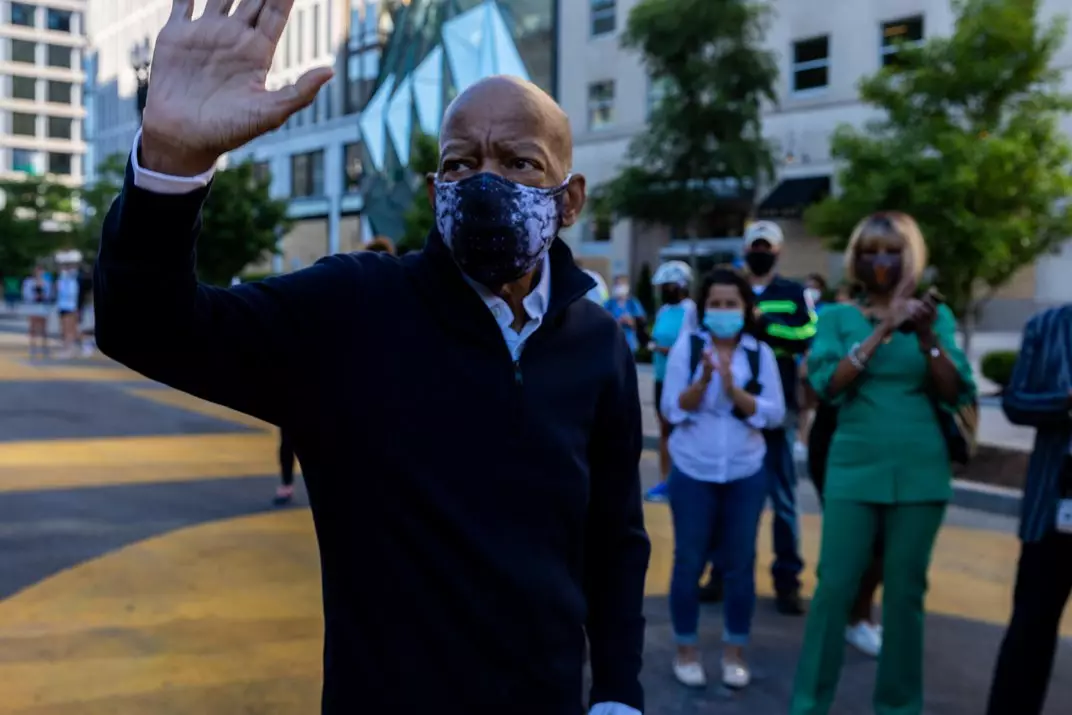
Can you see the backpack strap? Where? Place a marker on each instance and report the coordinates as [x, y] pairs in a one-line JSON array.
[[696, 347], [753, 386]]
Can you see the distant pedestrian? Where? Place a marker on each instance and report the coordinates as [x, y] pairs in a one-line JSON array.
[[891, 365], [815, 288], [284, 494], [676, 315], [1040, 396], [627, 310], [37, 305], [67, 292]]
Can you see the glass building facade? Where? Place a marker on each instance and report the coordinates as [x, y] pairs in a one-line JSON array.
[[436, 49]]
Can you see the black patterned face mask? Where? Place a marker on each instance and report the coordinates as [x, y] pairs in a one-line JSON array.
[[497, 230]]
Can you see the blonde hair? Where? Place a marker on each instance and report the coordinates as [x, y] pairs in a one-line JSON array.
[[884, 224]]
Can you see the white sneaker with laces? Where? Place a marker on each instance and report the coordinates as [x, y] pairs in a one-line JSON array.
[[865, 637], [690, 674], [735, 675]]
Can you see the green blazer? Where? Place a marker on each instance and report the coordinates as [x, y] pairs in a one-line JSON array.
[[888, 447]]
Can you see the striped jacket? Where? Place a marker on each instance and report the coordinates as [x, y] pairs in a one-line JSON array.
[[1038, 396]]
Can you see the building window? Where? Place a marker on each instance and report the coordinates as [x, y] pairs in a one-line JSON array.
[[24, 125], [604, 16], [23, 51], [657, 89], [907, 30], [23, 88], [307, 174], [316, 31], [59, 92], [58, 20], [811, 63], [23, 160], [288, 42], [600, 104], [353, 168], [22, 14], [301, 36], [60, 128], [59, 164], [262, 172], [59, 56]]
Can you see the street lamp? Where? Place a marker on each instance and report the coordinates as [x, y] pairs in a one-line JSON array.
[[141, 57]]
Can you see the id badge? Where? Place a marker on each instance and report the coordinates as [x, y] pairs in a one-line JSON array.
[[1064, 516]]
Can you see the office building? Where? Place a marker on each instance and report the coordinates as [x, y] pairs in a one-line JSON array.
[[824, 48], [41, 70]]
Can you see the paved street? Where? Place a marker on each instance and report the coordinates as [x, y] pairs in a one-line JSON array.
[[143, 570]]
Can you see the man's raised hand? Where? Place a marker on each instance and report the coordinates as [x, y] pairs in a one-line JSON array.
[[207, 93]]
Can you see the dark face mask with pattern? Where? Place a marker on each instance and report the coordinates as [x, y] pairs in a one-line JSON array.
[[879, 272], [497, 230]]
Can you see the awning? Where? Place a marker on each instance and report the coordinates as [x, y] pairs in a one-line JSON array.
[[792, 196]]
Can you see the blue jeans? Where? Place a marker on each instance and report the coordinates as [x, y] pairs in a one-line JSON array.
[[700, 511], [782, 489]]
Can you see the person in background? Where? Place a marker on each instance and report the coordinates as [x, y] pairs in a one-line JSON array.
[[598, 293], [37, 306], [815, 288], [284, 494], [67, 291], [889, 363], [785, 320], [85, 300], [1039, 395], [381, 244], [676, 315], [722, 388], [627, 310]]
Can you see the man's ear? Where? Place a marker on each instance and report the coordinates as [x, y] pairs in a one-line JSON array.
[[573, 199], [429, 183]]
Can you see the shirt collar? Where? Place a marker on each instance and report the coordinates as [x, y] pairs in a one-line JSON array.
[[535, 303]]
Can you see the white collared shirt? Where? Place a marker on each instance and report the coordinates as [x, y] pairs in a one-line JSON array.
[[535, 304], [711, 444]]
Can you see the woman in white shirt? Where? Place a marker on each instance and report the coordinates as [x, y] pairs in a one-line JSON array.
[[722, 387]]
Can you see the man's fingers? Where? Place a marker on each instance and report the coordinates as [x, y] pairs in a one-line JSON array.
[[273, 18], [300, 94], [218, 7], [249, 11], [181, 10]]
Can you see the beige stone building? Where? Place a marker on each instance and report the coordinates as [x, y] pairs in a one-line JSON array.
[[824, 48]]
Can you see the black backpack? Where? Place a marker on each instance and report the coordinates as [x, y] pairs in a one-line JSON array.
[[753, 387]]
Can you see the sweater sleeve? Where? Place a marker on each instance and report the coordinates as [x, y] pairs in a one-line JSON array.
[[236, 347], [616, 545]]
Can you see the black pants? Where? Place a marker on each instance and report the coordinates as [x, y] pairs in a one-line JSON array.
[[1043, 584], [286, 458]]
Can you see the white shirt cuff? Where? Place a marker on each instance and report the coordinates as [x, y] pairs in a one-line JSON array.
[[613, 709], [158, 183]]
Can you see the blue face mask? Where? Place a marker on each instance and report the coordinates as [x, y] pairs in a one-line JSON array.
[[723, 323]]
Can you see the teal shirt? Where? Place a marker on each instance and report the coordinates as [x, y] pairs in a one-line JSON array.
[[664, 333], [888, 447]]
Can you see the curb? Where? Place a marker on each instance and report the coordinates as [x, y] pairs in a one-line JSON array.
[[968, 495]]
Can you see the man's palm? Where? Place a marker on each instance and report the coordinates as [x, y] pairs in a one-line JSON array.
[[207, 93]]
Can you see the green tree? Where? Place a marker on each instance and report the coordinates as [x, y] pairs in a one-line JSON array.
[[96, 199], [36, 220], [703, 147], [242, 223], [420, 217], [969, 143]]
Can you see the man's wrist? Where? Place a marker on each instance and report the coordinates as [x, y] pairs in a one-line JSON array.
[[157, 154], [927, 340]]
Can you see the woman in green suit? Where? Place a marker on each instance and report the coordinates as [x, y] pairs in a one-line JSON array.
[[885, 360]]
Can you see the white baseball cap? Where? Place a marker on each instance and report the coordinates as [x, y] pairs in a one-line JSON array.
[[763, 231]]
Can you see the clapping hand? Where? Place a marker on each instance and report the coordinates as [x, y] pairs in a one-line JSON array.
[[708, 365], [207, 93], [725, 369]]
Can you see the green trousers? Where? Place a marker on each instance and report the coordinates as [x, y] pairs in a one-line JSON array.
[[849, 531]]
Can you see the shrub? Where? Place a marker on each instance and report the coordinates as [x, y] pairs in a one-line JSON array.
[[997, 366]]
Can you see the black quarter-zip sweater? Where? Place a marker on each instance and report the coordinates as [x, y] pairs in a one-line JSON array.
[[475, 517]]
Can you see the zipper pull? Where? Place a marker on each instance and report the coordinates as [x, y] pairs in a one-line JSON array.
[[517, 372]]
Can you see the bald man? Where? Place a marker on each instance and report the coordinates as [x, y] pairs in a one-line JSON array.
[[468, 425]]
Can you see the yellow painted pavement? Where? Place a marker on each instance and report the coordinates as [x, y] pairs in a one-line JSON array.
[[225, 618]]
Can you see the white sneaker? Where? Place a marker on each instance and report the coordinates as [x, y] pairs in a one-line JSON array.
[[690, 674], [865, 637], [735, 675]]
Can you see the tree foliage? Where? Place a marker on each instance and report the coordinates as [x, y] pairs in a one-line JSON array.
[[420, 218], [968, 142], [96, 199], [36, 221], [703, 145], [242, 223]]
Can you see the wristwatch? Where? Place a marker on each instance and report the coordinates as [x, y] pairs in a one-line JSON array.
[[935, 351]]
